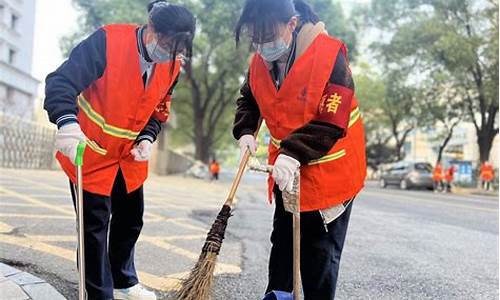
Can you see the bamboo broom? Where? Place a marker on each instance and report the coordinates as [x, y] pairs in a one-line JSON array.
[[198, 285]]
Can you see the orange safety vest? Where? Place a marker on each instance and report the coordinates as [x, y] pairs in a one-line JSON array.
[[450, 172], [214, 168], [114, 109], [339, 175], [487, 172], [437, 174]]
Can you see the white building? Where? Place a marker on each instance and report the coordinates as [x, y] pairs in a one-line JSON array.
[[18, 88], [422, 145]]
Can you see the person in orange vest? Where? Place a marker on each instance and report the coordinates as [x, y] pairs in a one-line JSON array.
[[448, 177], [214, 170], [487, 174], [114, 92], [300, 83], [437, 177]]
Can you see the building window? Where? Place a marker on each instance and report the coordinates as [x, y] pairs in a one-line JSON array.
[[10, 93], [12, 56], [13, 22], [2, 10]]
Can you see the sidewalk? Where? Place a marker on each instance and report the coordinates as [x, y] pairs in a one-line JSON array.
[[18, 285], [475, 192], [37, 228]]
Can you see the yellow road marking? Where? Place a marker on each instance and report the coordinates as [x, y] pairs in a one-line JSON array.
[[34, 216], [142, 238], [152, 199], [37, 202], [162, 203], [46, 186], [45, 196], [220, 267], [5, 228], [167, 283], [183, 222], [53, 238], [156, 282], [160, 283], [18, 204], [180, 222], [179, 237]]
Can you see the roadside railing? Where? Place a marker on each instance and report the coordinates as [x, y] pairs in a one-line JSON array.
[[25, 144]]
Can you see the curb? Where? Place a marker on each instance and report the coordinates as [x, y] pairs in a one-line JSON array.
[[19, 285], [476, 192]]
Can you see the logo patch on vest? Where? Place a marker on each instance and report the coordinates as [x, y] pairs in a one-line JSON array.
[[303, 95]]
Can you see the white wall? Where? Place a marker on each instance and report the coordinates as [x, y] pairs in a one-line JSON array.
[[18, 88], [18, 35]]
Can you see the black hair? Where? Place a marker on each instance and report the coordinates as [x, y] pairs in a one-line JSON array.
[[175, 22], [261, 18]]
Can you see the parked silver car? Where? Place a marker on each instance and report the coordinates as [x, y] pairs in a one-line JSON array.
[[407, 174]]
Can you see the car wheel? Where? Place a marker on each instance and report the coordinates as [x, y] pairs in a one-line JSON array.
[[403, 184], [382, 183]]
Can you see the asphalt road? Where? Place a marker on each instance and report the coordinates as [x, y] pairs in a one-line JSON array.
[[400, 244]]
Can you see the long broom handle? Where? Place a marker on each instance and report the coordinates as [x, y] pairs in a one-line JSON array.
[[297, 284], [81, 242], [241, 170]]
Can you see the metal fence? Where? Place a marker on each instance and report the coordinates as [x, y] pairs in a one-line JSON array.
[[25, 144]]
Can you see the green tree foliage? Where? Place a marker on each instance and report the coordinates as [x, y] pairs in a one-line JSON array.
[[441, 109], [210, 81], [337, 23], [452, 42], [204, 100], [389, 112]]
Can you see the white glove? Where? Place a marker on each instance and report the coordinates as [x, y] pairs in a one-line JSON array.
[[284, 172], [142, 151], [67, 139], [247, 141]]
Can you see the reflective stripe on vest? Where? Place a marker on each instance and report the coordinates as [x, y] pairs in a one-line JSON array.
[[94, 146], [101, 122], [355, 115], [327, 158]]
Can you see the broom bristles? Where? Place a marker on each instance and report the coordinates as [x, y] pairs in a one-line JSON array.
[[198, 285]]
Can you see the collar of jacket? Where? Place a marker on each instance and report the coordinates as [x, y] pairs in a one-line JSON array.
[[140, 45], [308, 32]]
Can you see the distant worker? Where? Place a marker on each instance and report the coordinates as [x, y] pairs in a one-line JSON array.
[[214, 170], [487, 174], [437, 177], [448, 177]]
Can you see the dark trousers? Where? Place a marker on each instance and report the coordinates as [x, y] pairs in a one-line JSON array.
[[320, 252], [215, 176], [438, 185], [109, 261]]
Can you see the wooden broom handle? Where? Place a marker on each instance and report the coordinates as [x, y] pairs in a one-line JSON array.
[[297, 284], [241, 169]]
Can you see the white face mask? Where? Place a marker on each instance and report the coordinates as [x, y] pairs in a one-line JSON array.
[[157, 53], [272, 51]]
